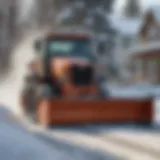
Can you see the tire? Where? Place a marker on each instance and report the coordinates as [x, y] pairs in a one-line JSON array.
[[33, 93], [31, 97], [46, 92]]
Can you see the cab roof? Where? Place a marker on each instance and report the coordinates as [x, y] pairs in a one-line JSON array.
[[68, 35]]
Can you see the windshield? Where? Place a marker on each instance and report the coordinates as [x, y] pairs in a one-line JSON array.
[[69, 47]]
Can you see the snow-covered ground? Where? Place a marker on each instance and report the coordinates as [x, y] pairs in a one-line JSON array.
[[135, 91], [129, 142], [157, 112], [11, 86], [16, 143]]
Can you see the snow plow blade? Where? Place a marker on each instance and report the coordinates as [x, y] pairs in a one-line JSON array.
[[58, 112]]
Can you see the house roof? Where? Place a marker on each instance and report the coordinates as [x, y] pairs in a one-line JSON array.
[[143, 49], [132, 26], [126, 26]]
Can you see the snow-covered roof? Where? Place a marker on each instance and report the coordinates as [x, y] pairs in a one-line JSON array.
[[144, 48], [126, 26]]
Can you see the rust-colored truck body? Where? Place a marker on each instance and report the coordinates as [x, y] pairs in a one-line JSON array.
[[75, 96]]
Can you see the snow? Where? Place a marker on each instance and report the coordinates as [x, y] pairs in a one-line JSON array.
[[17, 144], [157, 112], [136, 91], [12, 85], [145, 48]]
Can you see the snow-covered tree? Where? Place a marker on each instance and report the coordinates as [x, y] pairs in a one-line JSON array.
[[132, 8], [8, 30], [47, 10]]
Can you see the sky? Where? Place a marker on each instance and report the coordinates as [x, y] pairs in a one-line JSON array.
[[144, 3]]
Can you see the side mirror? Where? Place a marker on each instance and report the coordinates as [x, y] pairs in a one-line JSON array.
[[37, 45]]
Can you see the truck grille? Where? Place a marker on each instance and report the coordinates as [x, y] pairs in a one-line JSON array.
[[81, 75]]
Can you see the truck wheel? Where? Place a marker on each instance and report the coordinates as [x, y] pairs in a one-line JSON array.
[[46, 92], [30, 98]]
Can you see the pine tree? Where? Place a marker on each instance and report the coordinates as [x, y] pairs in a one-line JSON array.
[[132, 9], [7, 32]]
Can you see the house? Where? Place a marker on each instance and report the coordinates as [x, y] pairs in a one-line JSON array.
[[150, 29], [145, 57], [145, 63]]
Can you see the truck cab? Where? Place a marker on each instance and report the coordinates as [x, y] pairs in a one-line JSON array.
[[68, 63]]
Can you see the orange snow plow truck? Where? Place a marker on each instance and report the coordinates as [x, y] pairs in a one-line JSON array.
[[63, 86]]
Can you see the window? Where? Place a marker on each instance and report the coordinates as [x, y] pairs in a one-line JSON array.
[[69, 47], [61, 47], [152, 70], [139, 67], [126, 42]]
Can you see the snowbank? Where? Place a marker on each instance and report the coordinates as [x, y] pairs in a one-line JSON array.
[[10, 87]]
